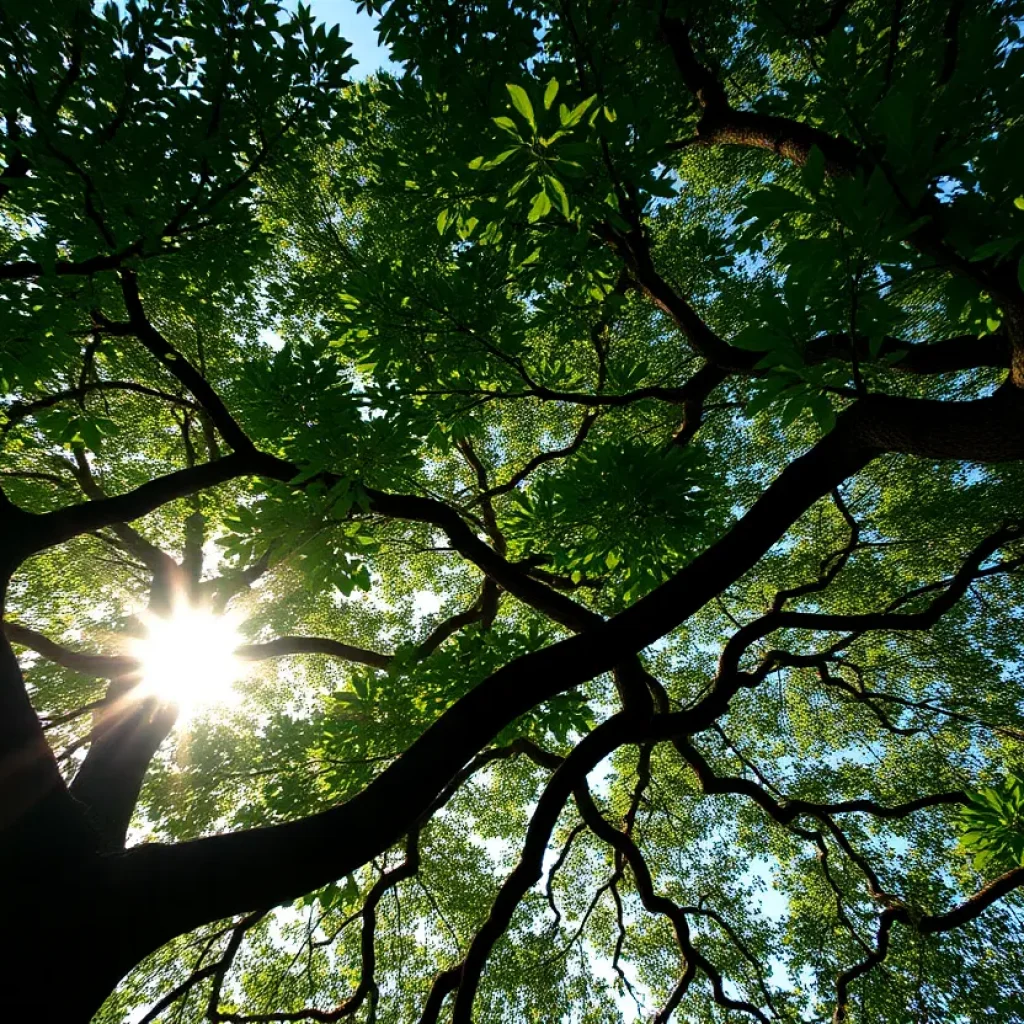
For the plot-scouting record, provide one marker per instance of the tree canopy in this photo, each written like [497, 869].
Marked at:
[601, 443]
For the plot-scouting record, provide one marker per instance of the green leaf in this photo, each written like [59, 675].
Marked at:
[813, 173]
[823, 413]
[757, 338]
[661, 186]
[996, 247]
[501, 157]
[89, 432]
[875, 343]
[550, 93]
[522, 104]
[351, 890]
[774, 203]
[794, 407]
[360, 683]
[569, 118]
[541, 206]
[560, 194]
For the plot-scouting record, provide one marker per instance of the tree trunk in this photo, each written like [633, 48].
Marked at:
[66, 947]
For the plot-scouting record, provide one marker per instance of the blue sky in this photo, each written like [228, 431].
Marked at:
[358, 29]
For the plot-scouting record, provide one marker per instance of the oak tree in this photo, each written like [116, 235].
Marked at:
[535, 536]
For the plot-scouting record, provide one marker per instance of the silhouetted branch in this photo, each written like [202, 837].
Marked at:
[872, 960]
[785, 811]
[102, 666]
[482, 610]
[926, 924]
[179, 367]
[286, 646]
[952, 590]
[836, 11]
[658, 904]
[832, 565]
[584, 757]
[217, 969]
[539, 460]
[951, 30]
[18, 411]
[367, 984]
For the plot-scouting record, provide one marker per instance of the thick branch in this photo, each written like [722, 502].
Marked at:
[951, 30]
[181, 368]
[239, 871]
[126, 735]
[25, 270]
[624, 845]
[39, 825]
[974, 906]
[102, 666]
[583, 759]
[43, 531]
[284, 646]
[110, 666]
[722, 124]
[947, 355]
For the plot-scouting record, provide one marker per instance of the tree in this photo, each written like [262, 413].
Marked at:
[607, 436]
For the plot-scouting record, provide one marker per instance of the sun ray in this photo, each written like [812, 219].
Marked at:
[188, 658]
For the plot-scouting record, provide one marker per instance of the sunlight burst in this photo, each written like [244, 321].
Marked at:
[189, 657]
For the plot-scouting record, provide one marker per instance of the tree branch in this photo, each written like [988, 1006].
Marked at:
[722, 124]
[623, 844]
[951, 30]
[407, 869]
[127, 733]
[926, 924]
[41, 828]
[539, 460]
[51, 528]
[102, 666]
[285, 646]
[162, 350]
[482, 610]
[238, 871]
[216, 969]
[18, 411]
[584, 758]
[784, 811]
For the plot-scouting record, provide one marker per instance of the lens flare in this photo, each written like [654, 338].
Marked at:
[188, 658]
